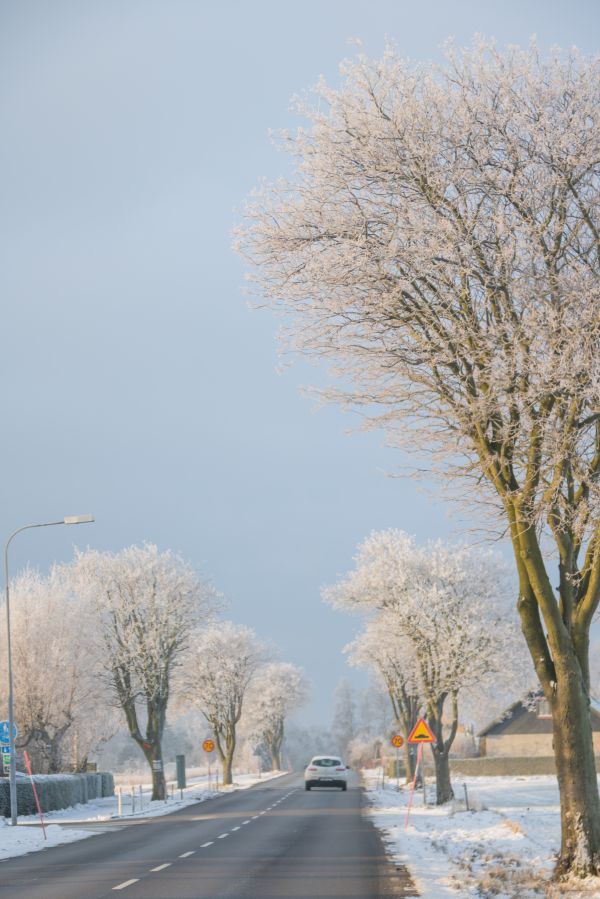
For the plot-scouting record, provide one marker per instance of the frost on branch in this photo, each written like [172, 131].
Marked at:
[439, 244]
[278, 689]
[61, 705]
[439, 624]
[148, 603]
[223, 662]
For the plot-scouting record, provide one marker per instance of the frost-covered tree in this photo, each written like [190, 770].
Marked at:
[147, 603]
[364, 751]
[446, 610]
[385, 649]
[279, 688]
[440, 244]
[343, 725]
[373, 709]
[223, 662]
[55, 671]
[304, 742]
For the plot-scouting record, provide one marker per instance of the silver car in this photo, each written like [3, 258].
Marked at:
[326, 771]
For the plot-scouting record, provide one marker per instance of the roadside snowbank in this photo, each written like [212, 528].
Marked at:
[504, 847]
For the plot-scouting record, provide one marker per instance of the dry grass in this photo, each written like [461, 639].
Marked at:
[494, 874]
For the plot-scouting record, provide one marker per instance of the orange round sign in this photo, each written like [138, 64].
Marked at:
[208, 745]
[397, 741]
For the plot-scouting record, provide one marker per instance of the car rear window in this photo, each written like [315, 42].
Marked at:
[327, 763]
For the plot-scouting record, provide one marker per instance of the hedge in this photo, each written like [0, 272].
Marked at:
[55, 791]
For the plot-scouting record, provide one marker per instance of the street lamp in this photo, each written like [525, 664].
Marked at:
[69, 519]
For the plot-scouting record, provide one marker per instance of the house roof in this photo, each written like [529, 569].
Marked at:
[522, 718]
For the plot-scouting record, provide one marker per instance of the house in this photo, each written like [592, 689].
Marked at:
[525, 729]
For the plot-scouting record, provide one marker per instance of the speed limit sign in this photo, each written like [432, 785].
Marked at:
[208, 745]
[397, 741]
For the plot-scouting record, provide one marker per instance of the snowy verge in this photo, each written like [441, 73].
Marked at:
[69, 824]
[504, 847]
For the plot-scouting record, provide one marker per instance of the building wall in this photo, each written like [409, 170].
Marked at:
[514, 745]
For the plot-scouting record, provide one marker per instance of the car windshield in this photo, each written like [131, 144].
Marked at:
[327, 763]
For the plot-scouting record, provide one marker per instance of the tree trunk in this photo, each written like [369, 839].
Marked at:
[409, 761]
[559, 650]
[226, 753]
[276, 757]
[154, 758]
[227, 763]
[274, 741]
[577, 779]
[441, 748]
[443, 786]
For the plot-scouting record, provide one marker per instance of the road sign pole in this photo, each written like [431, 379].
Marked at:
[35, 793]
[414, 783]
[11, 713]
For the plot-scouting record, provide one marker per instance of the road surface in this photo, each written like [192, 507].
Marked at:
[269, 842]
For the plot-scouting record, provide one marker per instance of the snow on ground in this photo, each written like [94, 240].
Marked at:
[504, 847]
[69, 824]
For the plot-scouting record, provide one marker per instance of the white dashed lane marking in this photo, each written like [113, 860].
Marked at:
[128, 883]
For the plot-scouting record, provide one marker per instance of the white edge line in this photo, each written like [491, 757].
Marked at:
[126, 883]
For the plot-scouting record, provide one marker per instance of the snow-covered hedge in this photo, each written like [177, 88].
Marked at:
[56, 791]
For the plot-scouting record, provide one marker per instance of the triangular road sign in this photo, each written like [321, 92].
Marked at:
[421, 733]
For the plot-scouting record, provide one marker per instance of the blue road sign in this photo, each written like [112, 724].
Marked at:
[5, 732]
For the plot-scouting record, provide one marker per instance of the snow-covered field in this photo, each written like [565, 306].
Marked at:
[69, 824]
[503, 848]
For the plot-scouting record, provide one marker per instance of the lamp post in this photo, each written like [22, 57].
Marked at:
[69, 519]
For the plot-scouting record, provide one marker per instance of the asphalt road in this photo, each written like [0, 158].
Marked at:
[270, 842]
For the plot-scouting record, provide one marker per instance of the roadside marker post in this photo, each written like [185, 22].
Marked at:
[35, 793]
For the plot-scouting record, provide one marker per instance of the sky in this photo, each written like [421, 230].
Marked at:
[138, 384]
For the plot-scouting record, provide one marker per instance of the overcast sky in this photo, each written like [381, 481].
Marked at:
[137, 383]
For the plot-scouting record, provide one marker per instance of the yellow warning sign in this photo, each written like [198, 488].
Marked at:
[421, 733]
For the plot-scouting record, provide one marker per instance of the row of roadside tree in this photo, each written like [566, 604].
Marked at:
[122, 637]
